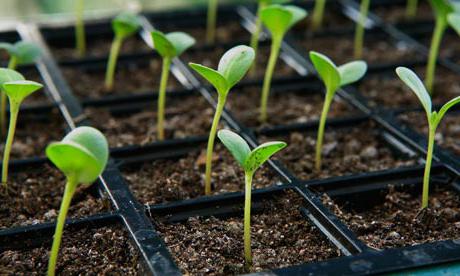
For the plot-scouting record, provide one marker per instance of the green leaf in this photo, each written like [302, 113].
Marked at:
[442, 8]
[8, 47]
[279, 19]
[327, 70]
[261, 154]
[8, 75]
[125, 24]
[416, 85]
[26, 52]
[454, 21]
[83, 153]
[352, 72]
[235, 144]
[235, 63]
[214, 77]
[17, 91]
[181, 41]
[445, 108]
[172, 44]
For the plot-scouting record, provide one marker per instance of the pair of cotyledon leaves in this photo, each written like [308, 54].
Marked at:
[125, 24]
[15, 86]
[24, 52]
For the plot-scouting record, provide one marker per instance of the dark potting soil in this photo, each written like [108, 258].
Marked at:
[332, 19]
[387, 90]
[104, 251]
[397, 13]
[184, 116]
[34, 132]
[281, 237]
[129, 79]
[34, 196]
[178, 179]
[396, 222]
[447, 134]
[284, 106]
[345, 151]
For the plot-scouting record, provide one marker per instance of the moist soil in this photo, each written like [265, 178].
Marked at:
[398, 222]
[178, 179]
[34, 132]
[345, 151]
[397, 13]
[34, 196]
[281, 237]
[104, 251]
[447, 133]
[387, 90]
[284, 106]
[185, 116]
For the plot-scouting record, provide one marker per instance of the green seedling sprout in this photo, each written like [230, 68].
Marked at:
[168, 46]
[80, 40]
[211, 23]
[360, 25]
[278, 20]
[442, 8]
[233, 65]
[250, 161]
[454, 21]
[411, 9]
[333, 78]
[21, 53]
[434, 118]
[17, 89]
[81, 156]
[124, 25]
[318, 12]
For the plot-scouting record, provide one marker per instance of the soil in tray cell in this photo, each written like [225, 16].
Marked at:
[449, 45]
[285, 106]
[104, 251]
[130, 78]
[346, 151]
[183, 178]
[185, 116]
[281, 237]
[386, 90]
[332, 19]
[397, 13]
[34, 196]
[396, 220]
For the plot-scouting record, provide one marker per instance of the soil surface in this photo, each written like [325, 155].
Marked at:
[34, 196]
[447, 134]
[345, 151]
[397, 222]
[281, 237]
[171, 180]
[387, 90]
[284, 106]
[397, 13]
[332, 19]
[184, 116]
[104, 251]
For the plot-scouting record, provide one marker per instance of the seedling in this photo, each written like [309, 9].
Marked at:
[17, 89]
[278, 20]
[81, 156]
[250, 161]
[124, 25]
[168, 46]
[80, 39]
[333, 77]
[434, 118]
[454, 21]
[359, 32]
[21, 53]
[318, 12]
[211, 23]
[411, 8]
[233, 65]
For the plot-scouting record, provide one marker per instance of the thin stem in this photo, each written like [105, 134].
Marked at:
[80, 28]
[212, 136]
[359, 33]
[439, 29]
[247, 218]
[112, 63]
[14, 111]
[429, 158]
[162, 98]
[322, 126]
[12, 64]
[318, 13]
[411, 9]
[274, 52]
[211, 24]
[258, 27]
[66, 200]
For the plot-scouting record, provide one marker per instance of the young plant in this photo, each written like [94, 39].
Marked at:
[233, 65]
[81, 156]
[454, 21]
[278, 20]
[250, 161]
[17, 89]
[21, 53]
[359, 32]
[333, 77]
[124, 25]
[168, 46]
[318, 12]
[80, 40]
[211, 23]
[434, 118]
[411, 9]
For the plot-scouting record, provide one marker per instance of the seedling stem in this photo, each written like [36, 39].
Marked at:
[80, 28]
[322, 126]
[247, 217]
[14, 110]
[114, 51]
[411, 9]
[439, 29]
[12, 64]
[318, 13]
[359, 33]
[162, 97]
[429, 158]
[211, 25]
[274, 53]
